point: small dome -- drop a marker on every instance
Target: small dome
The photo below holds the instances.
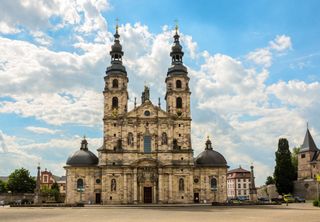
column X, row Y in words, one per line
column 116, row 47
column 209, row 157
column 83, row 157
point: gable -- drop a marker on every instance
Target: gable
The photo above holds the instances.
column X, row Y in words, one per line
column 147, row 110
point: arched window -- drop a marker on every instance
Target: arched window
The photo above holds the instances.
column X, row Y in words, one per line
column 213, row 184
column 164, row 139
column 80, row 184
column 115, row 103
column 178, row 84
column 113, row 185
column 179, row 103
column 130, row 139
column 147, row 144
column 181, row 184
column 115, row 83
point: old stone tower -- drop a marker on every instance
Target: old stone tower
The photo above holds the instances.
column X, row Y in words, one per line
column 146, row 156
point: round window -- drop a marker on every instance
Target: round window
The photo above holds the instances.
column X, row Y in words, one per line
column 196, row 180
column 98, row 181
column 147, row 113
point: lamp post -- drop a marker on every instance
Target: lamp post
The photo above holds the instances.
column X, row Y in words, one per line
column 80, row 190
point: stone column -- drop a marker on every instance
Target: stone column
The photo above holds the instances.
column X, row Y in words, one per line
column 191, row 187
column 154, row 194
column 170, row 188
column 160, row 184
column 135, row 188
column 125, row 188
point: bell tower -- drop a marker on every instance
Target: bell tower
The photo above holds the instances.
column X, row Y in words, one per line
column 177, row 82
column 116, row 82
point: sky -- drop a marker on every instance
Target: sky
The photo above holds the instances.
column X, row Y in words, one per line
column 254, row 68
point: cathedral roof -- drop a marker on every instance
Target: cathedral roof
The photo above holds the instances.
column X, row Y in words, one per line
column 239, row 170
column 83, row 157
column 210, row 157
column 308, row 143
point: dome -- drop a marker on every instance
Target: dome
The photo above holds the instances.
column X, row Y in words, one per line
column 209, row 157
column 116, row 47
column 83, row 157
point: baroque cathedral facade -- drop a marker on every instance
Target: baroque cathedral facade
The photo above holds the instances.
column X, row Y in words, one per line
column 146, row 156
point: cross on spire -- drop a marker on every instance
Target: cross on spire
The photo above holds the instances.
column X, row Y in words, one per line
column 176, row 26
column 117, row 24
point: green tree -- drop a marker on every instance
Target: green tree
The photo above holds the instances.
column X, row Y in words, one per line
column 294, row 159
column 52, row 192
column 270, row 180
column 55, row 191
column 3, row 187
column 283, row 171
column 20, row 181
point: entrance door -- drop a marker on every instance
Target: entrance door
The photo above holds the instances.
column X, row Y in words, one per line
column 98, row 198
column 147, row 197
column 196, row 197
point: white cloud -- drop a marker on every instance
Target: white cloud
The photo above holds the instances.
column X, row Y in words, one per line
column 6, row 29
column 281, row 43
column 41, row 130
column 41, row 38
column 81, row 107
column 28, row 154
column 261, row 57
column 85, row 15
column 2, row 143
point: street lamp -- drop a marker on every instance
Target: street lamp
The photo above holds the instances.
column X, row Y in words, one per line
column 80, row 190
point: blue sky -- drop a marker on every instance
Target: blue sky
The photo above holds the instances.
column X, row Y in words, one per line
column 254, row 68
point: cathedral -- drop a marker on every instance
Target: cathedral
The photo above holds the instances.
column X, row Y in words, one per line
column 146, row 156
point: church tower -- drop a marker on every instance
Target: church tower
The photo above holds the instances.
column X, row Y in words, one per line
column 177, row 82
column 116, row 82
column 178, row 97
column 115, row 96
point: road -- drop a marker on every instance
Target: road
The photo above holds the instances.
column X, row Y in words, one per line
column 283, row 213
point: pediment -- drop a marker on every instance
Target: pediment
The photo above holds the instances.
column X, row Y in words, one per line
column 147, row 110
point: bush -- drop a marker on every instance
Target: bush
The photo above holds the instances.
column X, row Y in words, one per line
column 316, row 203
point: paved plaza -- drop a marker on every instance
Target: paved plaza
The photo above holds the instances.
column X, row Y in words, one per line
column 283, row 213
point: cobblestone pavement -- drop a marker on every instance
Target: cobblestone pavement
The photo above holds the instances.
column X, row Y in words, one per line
column 282, row 213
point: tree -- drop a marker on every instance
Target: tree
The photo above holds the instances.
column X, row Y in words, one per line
column 52, row 192
column 294, row 159
column 270, row 180
column 55, row 191
column 3, row 187
column 20, row 181
column 283, row 171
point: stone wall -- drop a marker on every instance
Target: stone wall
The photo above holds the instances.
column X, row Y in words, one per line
column 269, row 191
column 13, row 197
column 306, row 189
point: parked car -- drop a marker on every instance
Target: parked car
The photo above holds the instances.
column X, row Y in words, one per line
column 263, row 199
column 277, row 199
column 18, row 202
column 2, row 203
column 299, row 199
column 288, row 198
column 233, row 200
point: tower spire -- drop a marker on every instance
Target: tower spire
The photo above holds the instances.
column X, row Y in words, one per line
column 177, row 54
column 116, row 54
